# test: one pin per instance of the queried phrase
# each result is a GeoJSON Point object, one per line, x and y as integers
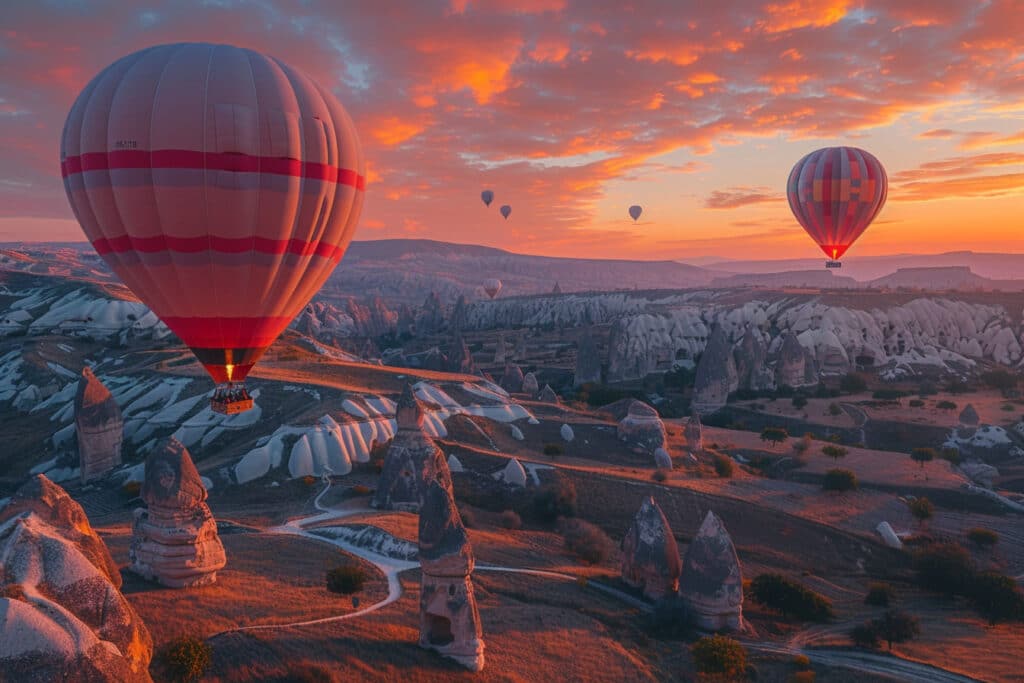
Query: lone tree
{"type": "Point", "coordinates": [833, 451]}
{"type": "Point", "coordinates": [774, 435]}
{"type": "Point", "coordinates": [896, 627]}
{"type": "Point", "coordinates": [719, 655]}
{"type": "Point", "coordinates": [1003, 380]}
{"type": "Point", "coordinates": [922, 510]}
{"type": "Point", "coordinates": [922, 455]}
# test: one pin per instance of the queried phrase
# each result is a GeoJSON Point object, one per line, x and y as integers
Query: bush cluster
{"type": "Point", "coordinates": [723, 466]}
{"type": "Point", "coordinates": [346, 579]}
{"type": "Point", "coordinates": [790, 597]}
{"type": "Point", "coordinates": [555, 500]}
{"type": "Point", "coordinates": [186, 659]}
{"type": "Point", "coordinates": [947, 568]}
{"type": "Point", "coordinates": [840, 480]}
{"type": "Point", "coordinates": [719, 655]}
{"type": "Point", "coordinates": [892, 627]}
{"type": "Point", "coordinates": [552, 449]}
{"type": "Point", "coordinates": [879, 595]}
{"type": "Point", "coordinates": [587, 540]}
{"type": "Point", "coordinates": [510, 519]}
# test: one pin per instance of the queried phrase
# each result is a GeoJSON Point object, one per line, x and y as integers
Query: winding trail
{"type": "Point", "coordinates": [867, 662]}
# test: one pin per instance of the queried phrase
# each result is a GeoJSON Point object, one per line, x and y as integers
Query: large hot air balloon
{"type": "Point", "coordinates": [487, 196]}
{"type": "Point", "coordinates": [505, 211]}
{"type": "Point", "coordinates": [222, 186]}
{"type": "Point", "coordinates": [835, 193]}
{"type": "Point", "coordinates": [492, 286]}
{"type": "Point", "coordinates": [635, 211]}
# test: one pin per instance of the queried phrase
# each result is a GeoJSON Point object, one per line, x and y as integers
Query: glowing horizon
{"type": "Point", "coordinates": [573, 111]}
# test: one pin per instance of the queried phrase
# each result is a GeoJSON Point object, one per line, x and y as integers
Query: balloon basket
{"type": "Point", "coordinates": [231, 400]}
{"type": "Point", "coordinates": [833, 264]}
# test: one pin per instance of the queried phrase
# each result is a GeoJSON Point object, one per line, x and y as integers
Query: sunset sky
{"type": "Point", "coordinates": [573, 110]}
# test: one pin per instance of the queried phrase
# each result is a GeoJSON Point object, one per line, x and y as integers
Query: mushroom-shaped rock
{"type": "Point", "coordinates": [712, 581]}
{"type": "Point", "coordinates": [715, 378]}
{"type": "Point", "coordinates": [61, 616]}
{"type": "Point", "coordinates": [454, 464]}
{"type": "Point", "coordinates": [642, 427]}
{"type": "Point", "coordinates": [512, 380]}
{"type": "Point", "coordinates": [693, 433]}
{"type": "Point", "coordinates": [662, 460]}
{"type": "Point", "coordinates": [650, 556]}
{"type": "Point", "coordinates": [547, 395]}
{"type": "Point", "coordinates": [517, 433]}
{"type": "Point", "coordinates": [567, 433]}
{"type": "Point", "coordinates": [513, 473]}
{"type": "Point", "coordinates": [530, 385]}
{"type": "Point", "coordinates": [449, 619]}
{"type": "Point", "coordinates": [969, 416]}
{"type": "Point", "coordinates": [174, 539]}
{"type": "Point", "coordinates": [588, 362]}
{"type": "Point", "coordinates": [98, 427]}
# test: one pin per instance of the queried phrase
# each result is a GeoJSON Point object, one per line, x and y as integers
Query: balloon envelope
{"type": "Point", "coordinates": [635, 211]}
{"type": "Point", "coordinates": [492, 286]}
{"type": "Point", "coordinates": [835, 193]}
{"type": "Point", "coordinates": [506, 210]}
{"type": "Point", "coordinates": [487, 196]}
{"type": "Point", "coordinates": [221, 185]}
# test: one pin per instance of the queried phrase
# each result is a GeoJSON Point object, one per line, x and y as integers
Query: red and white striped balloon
{"type": "Point", "coordinates": [221, 185]}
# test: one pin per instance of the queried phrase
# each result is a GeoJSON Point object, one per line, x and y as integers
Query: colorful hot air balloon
{"type": "Point", "coordinates": [487, 196]}
{"type": "Point", "coordinates": [505, 211]}
{"type": "Point", "coordinates": [492, 286]}
{"type": "Point", "coordinates": [635, 211]}
{"type": "Point", "coordinates": [222, 186]}
{"type": "Point", "coordinates": [835, 193]}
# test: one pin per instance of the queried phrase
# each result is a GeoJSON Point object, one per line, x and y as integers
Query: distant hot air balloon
{"type": "Point", "coordinates": [505, 211]}
{"type": "Point", "coordinates": [635, 211]}
{"type": "Point", "coordinates": [835, 193]}
{"type": "Point", "coordinates": [222, 186]}
{"type": "Point", "coordinates": [492, 286]}
{"type": "Point", "coordinates": [487, 196]}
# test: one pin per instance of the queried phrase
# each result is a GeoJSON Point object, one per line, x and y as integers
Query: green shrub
{"type": "Point", "coordinates": [840, 480]}
{"type": "Point", "coordinates": [896, 627]}
{"type": "Point", "coordinates": [774, 435]}
{"type": "Point", "coordinates": [853, 383]}
{"type": "Point", "coordinates": [864, 636]}
{"type": "Point", "coordinates": [921, 509]}
{"type": "Point", "coordinates": [834, 409]}
{"type": "Point", "coordinates": [555, 500]}
{"type": "Point", "coordinates": [799, 401]}
{"type": "Point", "coordinates": [945, 568]}
{"type": "Point", "coordinates": [945, 405]}
{"type": "Point", "coordinates": [186, 659]}
{"type": "Point", "coordinates": [1007, 407]}
{"type": "Point", "coordinates": [719, 655]}
{"type": "Point", "coordinates": [833, 451]}
{"type": "Point", "coordinates": [790, 597]}
{"type": "Point", "coordinates": [983, 538]}
{"type": "Point", "coordinates": [950, 454]}
{"type": "Point", "coordinates": [922, 455]}
{"type": "Point", "coordinates": [879, 595]}
{"type": "Point", "coordinates": [997, 597]}
{"type": "Point", "coordinates": [552, 449]}
{"type": "Point", "coordinates": [346, 579]}
{"type": "Point", "coordinates": [802, 445]}
{"type": "Point", "coordinates": [587, 540]}
{"type": "Point", "coordinates": [659, 475]}
{"type": "Point", "coordinates": [510, 519]}
{"type": "Point", "coordinates": [723, 466]}
{"type": "Point", "coordinates": [916, 403]}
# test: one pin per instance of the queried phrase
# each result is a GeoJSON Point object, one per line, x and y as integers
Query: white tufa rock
{"type": "Point", "coordinates": [567, 433]}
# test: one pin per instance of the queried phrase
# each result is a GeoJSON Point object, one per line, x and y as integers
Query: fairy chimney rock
{"type": "Point", "coordinates": [530, 385]}
{"type": "Point", "coordinates": [650, 555]}
{"type": "Point", "coordinates": [692, 432]}
{"type": "Point", "coordinates": [712, 581]}
{"type": "Point", "coordinates": [174, 539]}
{"type": "Point", "coordinates": [98, 427]}
{"type": "Point", "coordinates": [642, 427]}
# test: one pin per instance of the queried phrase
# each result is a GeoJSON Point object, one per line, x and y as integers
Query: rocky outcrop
{"type": "Point", "coordinates": [791, 365]}
{"type": "Point", "coordinates": [751, 357]}
{"type": "Point", "coordinates": [642, 427]}
{"type": "Point", "coordinates": [500, 351]}
{"type": "Point", "coordinates": [449, 619]}
{"type": "Point", "coordinates": [458, 319]}
{"type": "Point", "coordinates": [547, 395]}
{"type": "Point", "coordinates": [716, 374]}
{"type": "Point", "coordinates": [98, 427]}
{"type": "Point", "coordinates": [412, 460]}
{"type": "Point", "coordinates": [662, 460]}
{"type": "Point", "coordinates": [454, 464]}
{"type": "Point", "coordinates": [712, 581]}
{"type": "Point", "coordinates": [62, 617]}
{"type": "Point", "coordinates": [693, 433]}
{"type": "Point", "coordinates": [969, 416]}
{"type": "Point", "coordinates": [512, 380]}
{"type": "Point", "coordinates": [650, 556]}
{"type": "Point", "coordinates": [521, 350]}
{"type": "Point", "coordinates": [174, 539]}
{"type": "Point", "coordinates": [406, 321]}
{"type": "Point", "coordinates": [530, 386]}
{"type": "Point", "coordinates": [556, 289]}
{"type": "Point", "coordinates": [430, 319]}
{"type": "Point", "coordinates": [980, 473]}
{"type": "Point", "coordinates": [588, 362]}
{"type": "Point", "coordinates": [513, 473]}
{"type": "Point", "coordinates": [567, 433]}
{"type": "Point", "coordinates": [459, 357]}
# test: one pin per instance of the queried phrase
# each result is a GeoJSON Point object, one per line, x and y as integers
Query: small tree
{"type": "Point", "coordinates": [853, 383]}
{"type": "Point", "coordinates": [840, 480]}
{"type": "Point", "coordinates": [799, 402]}
{"type": "Point", "coordinates": [834, 409]}
{"type": "Point", "coordinates": [922, 510]}
{"type": "Point", "coordinates": [346, 579]}
{"type": "Point", "coordinates": [944, 567]}
{"type": "Point", "coordinates": [789, 597]}
{"type": "Point", "coordinates": [833, 451]}
{"type": "Point", "coordinates": [879, 595]}
{"type": "Point", "coordinates": [587, 540]}
{"type": "Point", "coordinates": [997, 597]}
{"type": "Point", "coordinates": [983, 538]}
{"type": "Point", "coordinates": [774, 435]}
{"type": "Point", "coordinates": [719, 655]}
{"type": "Point", "coordinates": [723, 466]}
{"type": "Point", "coordinates": [945, 405]}
{"type": "Point", "coordinates": [865, 636]}
{"type": "Point", "coordinates": [896, 627]}
{"type": "Point", "coordinates": [186, 659]}
{"type": "Point", "coordinates": [922, 455]}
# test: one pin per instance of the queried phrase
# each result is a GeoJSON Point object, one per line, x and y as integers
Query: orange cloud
{"type": "Point", "coordinates": [391, 130]}
{"type": "Point", "coordinates": [787, 16]}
